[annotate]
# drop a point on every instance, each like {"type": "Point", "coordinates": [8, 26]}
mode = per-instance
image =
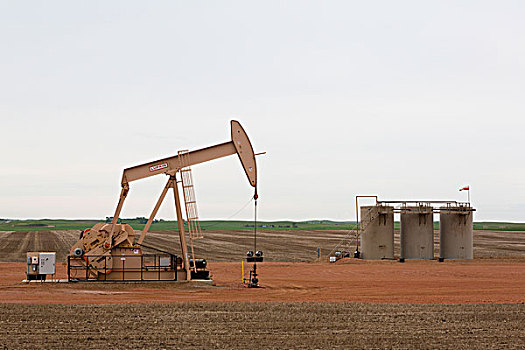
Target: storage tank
{"type": "Point", "coordinates": [417, 233]}
{"type": "Point", "coordinates": [456, 233]}
{"type": "Point", "coordinates": [377, 232]}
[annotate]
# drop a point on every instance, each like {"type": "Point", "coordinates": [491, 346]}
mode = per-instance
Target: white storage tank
{"type": "Point", "coordinates": [417, 233]}
{"type": "Point", "coordinates": [377, 232]}
{"type": "Point", "coordinates": [456, 232]}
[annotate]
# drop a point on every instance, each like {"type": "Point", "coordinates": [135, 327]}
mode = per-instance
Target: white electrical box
{"type": "Point", "coordinates": [40, 264]}
{"type": "Point", "coordinates": [46, 263]}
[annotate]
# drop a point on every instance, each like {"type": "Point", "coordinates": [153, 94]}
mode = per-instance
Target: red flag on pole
{"type": "Point", "coordinates": [466, 188]}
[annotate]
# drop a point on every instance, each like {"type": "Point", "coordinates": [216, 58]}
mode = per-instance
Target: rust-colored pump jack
{"type": "Point", "coordinates": [253, 281]}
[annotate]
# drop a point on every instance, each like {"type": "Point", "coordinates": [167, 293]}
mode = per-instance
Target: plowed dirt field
{"type": "Point", "coordinates": [305, 304]}
{"type": "Point", "coordinates": [262, 326]}
{"type": "Point", "coordinates": [232, 246]}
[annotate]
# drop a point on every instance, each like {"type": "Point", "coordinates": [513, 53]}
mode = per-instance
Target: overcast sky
{"type": "Point", "coordinates": [403, 99]}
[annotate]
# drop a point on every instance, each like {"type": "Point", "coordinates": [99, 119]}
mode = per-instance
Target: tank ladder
{"type": "Point", "coordinates": [190, 202]}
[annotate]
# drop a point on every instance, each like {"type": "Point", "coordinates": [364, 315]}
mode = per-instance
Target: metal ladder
{"type": "Point", "coordinates": [190, 203]}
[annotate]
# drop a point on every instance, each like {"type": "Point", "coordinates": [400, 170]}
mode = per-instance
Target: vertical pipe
{"type": "Point", "coordinates": [357, 226]}
{"type": "Point", "coordinates": [256, 196]}
{"type": "Point", "coordinates": [175, 266]}
{"type": "Point", "coordinates": [242, 271]}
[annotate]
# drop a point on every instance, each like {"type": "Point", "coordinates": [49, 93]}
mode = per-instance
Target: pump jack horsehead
{"type": "Point", "coordinates": [103, 249]}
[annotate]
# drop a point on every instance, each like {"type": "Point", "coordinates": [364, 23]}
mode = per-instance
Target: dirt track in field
{"type": "Point", "coordinates": [232, 246]}
{"type": "Point", "coordinates": [262, 326]}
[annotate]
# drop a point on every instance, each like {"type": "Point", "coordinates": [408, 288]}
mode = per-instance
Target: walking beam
{"type": "Point", "coordinates": [240, 144]}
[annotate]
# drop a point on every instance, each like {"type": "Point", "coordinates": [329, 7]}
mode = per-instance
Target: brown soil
{"type": "Point", "coordinates": [232, 246]}
{"type": "Point", "coordinates": [15, 244]}
{"type": "Point", "coordinates": [262, 326]}
{"type": "Point", "coordinates": [349, 280]}
{"type": "Point", "coordinates": [495, 280]}
{"type": "Point", "coordinates": [379, 304]}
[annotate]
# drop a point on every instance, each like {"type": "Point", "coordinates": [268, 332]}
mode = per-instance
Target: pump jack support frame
{"type": "Point", "coordinates": [240, 144]}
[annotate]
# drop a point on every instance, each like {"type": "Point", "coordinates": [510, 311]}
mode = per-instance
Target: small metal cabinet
{"type": "Point", "coordinates": [40, 264]}
{"type": "Point", "coordinates": [46, 263]}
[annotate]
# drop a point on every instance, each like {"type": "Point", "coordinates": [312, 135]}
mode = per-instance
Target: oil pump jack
{"type": "Point", "coordinates": [108, 251]}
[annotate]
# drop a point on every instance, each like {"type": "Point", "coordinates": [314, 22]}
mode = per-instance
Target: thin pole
{"type": "Point", "coordinates": [357, 225]}
{"type": "Point", "coordinates": [255, 197]}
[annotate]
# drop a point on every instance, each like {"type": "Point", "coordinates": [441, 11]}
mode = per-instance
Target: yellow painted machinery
{"type": "Point", "coordinates": [108, 251]}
